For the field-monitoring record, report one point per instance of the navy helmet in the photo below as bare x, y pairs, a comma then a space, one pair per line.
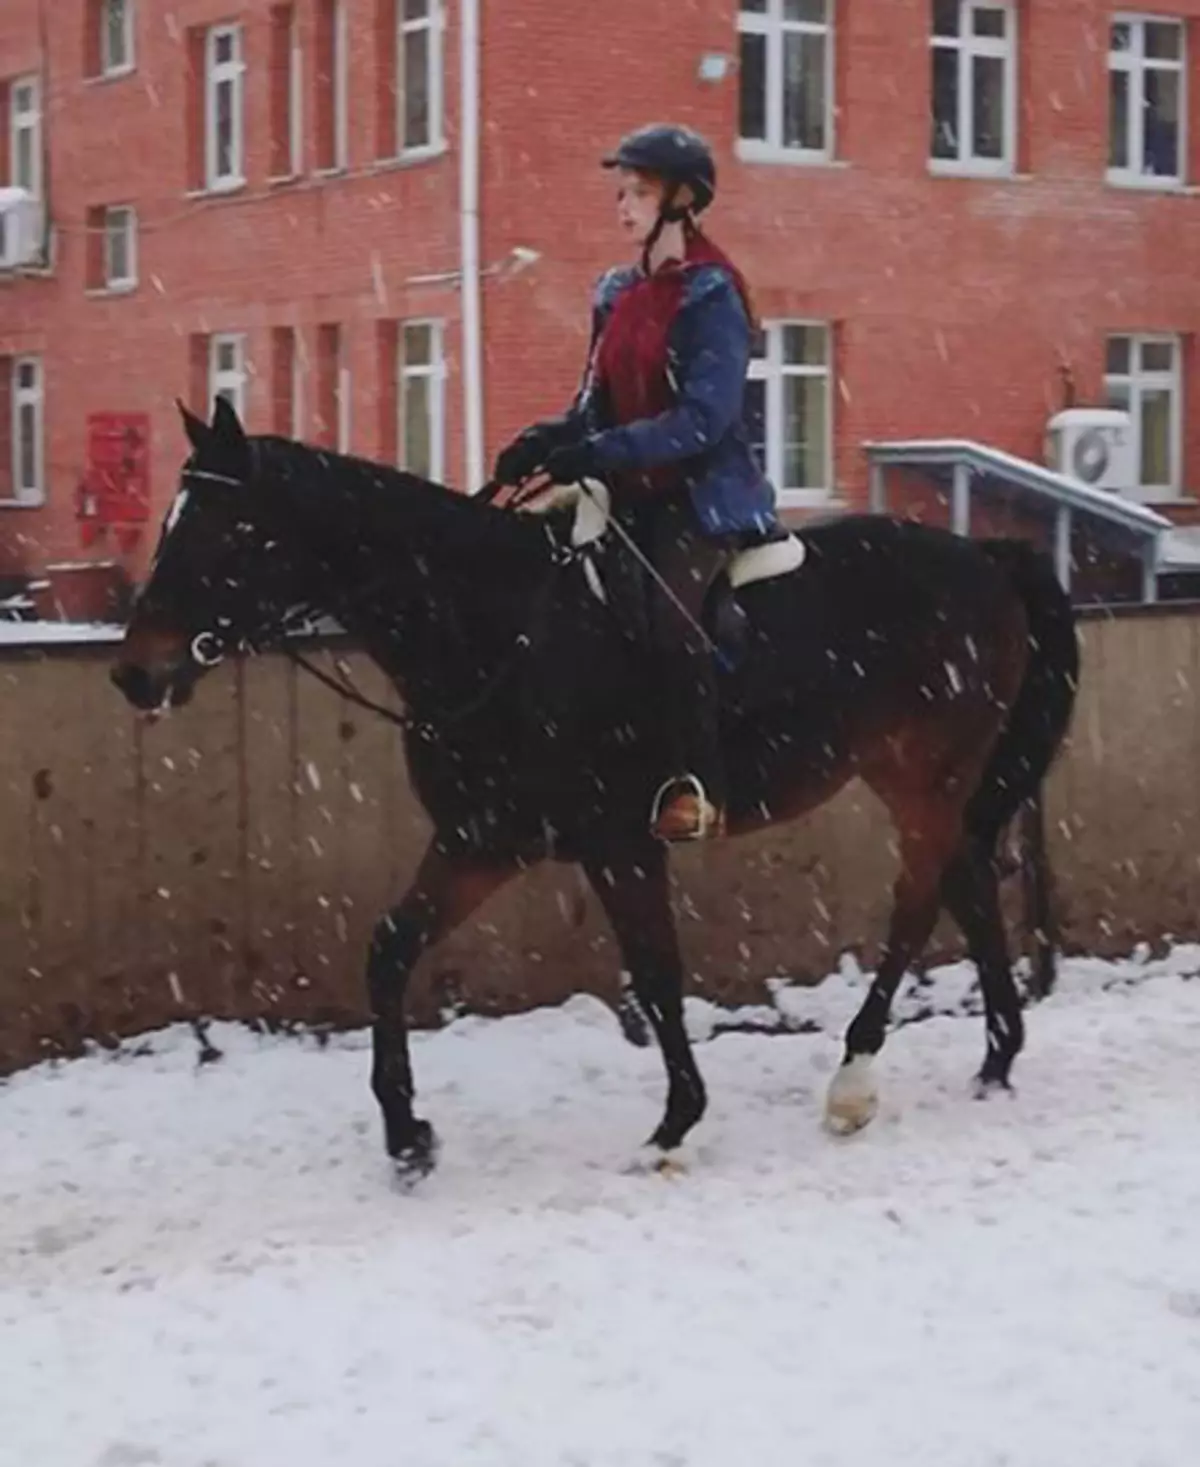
674, 153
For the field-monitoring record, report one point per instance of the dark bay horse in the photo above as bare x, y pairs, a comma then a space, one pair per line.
940, 670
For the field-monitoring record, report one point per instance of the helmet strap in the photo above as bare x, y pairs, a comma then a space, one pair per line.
669, 212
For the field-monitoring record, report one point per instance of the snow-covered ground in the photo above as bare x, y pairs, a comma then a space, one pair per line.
207, 1266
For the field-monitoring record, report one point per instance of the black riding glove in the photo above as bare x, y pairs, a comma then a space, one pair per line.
572, 462
529, 449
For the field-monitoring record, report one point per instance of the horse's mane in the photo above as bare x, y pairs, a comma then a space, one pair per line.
398, 510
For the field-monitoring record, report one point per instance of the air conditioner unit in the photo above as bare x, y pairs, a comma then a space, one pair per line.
1093, 445
20, 228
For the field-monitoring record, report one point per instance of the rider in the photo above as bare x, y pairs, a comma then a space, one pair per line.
659, 417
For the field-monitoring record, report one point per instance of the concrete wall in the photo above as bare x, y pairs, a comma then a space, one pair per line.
232, 859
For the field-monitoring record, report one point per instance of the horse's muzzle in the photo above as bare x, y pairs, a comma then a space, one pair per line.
150, 692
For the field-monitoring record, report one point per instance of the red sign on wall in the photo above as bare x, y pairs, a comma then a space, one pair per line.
116, 484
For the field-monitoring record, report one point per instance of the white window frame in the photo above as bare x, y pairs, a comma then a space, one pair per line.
1136, 64
343, 402
26, 119
109, 67
299, 375
34, 396
432, 21
129, 280
435, 372
967, 45
232, 380
295, 97
1136, 381
774, 27
231, 73
772, 369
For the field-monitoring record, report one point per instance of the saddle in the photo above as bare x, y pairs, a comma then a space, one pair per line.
761, 557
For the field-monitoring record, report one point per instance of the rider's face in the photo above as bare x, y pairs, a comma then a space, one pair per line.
638, 198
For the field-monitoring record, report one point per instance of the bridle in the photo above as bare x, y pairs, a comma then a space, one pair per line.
209, 648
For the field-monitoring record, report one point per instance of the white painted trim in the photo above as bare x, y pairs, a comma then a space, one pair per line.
29, 497
217, 74
1135, 63
774, 27
968, 47
108, 67
472, 332
772, 370
230, 380
26, 120
1137, 381
129, 280
434, 372
433, 21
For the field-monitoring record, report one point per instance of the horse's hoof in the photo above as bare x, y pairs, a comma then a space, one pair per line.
654, 1160
986, 1086
852, 1099
417, 1157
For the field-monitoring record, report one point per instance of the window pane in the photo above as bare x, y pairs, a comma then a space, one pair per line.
804, 346
1156, 437
987, 121
804, 432
118, 247
23, 158
1118, 119
752, 87
1157, 356
1119, 37
1117, 356
418, 346
944, 143
115, 33
23, 99
1116, 395
991, 21
946, 17
26, 377
416, 9
224, 129
1164, 40
416, 89
754, 7
803, 91
810, 10
223, 47
758, 345
226, 356
755, 412
27, 446
418, 445
1160, 123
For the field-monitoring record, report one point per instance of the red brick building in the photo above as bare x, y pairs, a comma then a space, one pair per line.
374, 223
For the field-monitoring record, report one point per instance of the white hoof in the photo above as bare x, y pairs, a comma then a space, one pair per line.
853, 1098
653, 1160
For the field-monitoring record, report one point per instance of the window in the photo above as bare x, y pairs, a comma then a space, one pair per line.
785, 102
120, 248
789, 409
115, 21
1146, 100
286, 84
25, 134
26, 467
1142, 375
974, 86
285, 383
418, 75
223, 102
420, 372
331, 85
227, 371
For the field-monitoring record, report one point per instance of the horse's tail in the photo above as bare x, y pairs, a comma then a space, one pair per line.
1033, 732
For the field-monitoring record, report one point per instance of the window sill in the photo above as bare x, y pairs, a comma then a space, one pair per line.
220, 190
808, 499
1148, 183
38, 503
115, 74
991, 172
282, 180
117, 288
412, 157
748, 150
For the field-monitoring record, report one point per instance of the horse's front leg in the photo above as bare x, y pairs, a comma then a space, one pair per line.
447, 888
633, 889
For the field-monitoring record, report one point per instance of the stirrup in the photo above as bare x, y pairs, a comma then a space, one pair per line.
711, 819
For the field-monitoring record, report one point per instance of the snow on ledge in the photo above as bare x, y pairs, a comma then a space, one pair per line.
57, 633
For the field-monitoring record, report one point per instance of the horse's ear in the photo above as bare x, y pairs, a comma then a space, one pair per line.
196, 428
226, 424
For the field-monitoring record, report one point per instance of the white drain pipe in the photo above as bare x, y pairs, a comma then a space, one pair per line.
472, 339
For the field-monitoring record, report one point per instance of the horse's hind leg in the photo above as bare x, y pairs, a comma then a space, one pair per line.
633, 889
928, 834
970, 889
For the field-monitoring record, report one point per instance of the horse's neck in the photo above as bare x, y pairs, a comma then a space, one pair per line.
422, 579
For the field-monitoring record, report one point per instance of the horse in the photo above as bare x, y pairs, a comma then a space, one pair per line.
939, 670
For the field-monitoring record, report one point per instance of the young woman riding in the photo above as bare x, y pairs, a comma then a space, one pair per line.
659, 417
